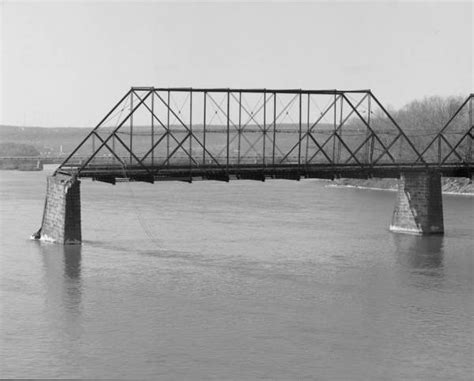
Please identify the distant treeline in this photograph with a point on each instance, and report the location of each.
(421, 121)
(10, 149)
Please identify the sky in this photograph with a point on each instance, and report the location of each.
(67, 63)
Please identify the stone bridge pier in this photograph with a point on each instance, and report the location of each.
(419, 205)
(62, 211)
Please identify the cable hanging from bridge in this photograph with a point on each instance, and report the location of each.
(136, 208)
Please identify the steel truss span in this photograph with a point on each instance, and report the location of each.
(220, 134)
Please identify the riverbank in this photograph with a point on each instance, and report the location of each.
(450, 185)
(21, 164)
(19, 156)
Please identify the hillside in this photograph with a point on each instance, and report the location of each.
(10, 149)
(47, 141)
(51, 141)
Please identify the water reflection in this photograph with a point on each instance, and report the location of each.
(63, 299)
(419, 252)
(72, 261)
(421, 260)
(62, 274)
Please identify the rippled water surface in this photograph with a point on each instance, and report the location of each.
(245, 280)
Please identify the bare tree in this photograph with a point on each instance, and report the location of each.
(429, 115)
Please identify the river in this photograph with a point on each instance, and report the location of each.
(240, 280)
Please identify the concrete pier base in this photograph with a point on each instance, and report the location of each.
(419, 205)
(62, 211)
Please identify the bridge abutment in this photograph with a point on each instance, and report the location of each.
(62, 211)
(419, 205)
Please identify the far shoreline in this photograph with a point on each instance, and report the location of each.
(467, 194)
(451, 186)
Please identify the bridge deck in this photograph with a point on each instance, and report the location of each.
(110, 173)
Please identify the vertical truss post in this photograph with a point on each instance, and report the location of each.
(368, 154)
(228, 129)
(372, 138)
(400, 148)
(307, 131)
(204, 130)
(341, 113)
(299, 129)
(168, 129)
(131, 127)
(469, 135)
(334, 132)
(240, 128)
(264, 131)
(439, 149)
(152, 128)
(190, 129)
(274, 127)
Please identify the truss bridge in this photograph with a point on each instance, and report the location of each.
(188, 134)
